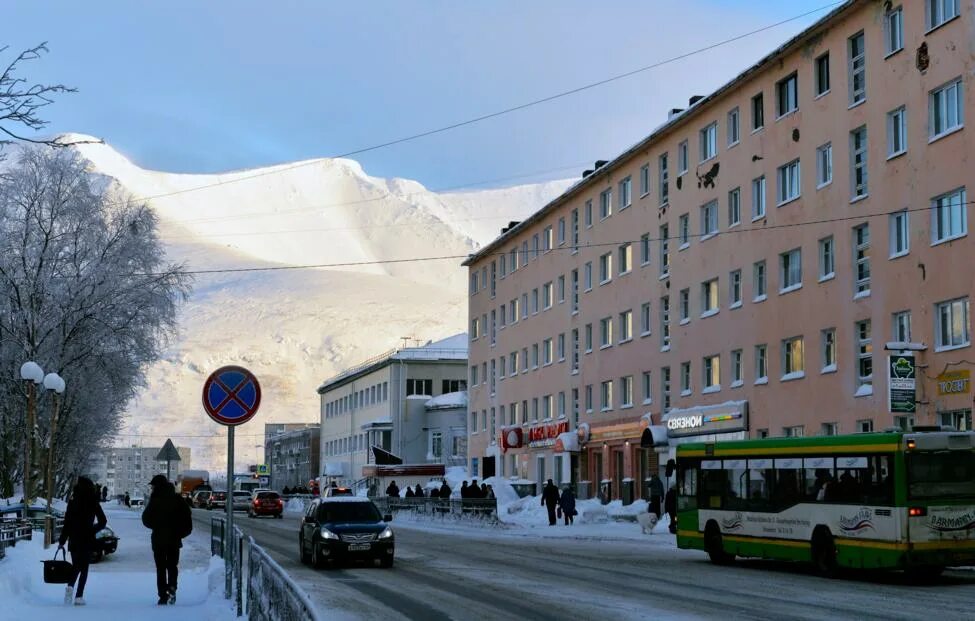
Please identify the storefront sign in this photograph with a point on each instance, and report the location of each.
(616, 432)
(901, 391)
(709, 419)
(545, 435)
(511, 437)
(954, 382)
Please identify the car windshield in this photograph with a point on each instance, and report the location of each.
(934, 474)
(219, 495)
(337, 512)
(268, 496)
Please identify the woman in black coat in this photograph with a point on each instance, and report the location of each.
(79, 532)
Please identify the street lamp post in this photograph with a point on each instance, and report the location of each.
(55, 385)
(33, 375)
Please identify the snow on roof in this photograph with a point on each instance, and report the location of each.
(448, 400)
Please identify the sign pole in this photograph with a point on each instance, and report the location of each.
(228, 539)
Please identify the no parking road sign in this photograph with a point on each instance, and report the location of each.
(231, 395)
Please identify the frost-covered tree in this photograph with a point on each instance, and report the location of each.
(86, 291)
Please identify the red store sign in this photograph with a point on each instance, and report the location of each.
(545, 435)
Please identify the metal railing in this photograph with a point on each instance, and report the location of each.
(267, 594)
(13, 531)
(443, 508)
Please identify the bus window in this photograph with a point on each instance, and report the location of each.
(687, 486)
(788, 486)
(760, 481)
(852, 479)
(878, 484)
(818, 477)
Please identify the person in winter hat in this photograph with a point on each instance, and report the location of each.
(79, 532)
(170, 520)
(550, 498)
(567, 502)
(392, 490)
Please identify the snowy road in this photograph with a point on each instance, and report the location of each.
(480, 574)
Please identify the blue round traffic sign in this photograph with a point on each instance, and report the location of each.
(231, 395)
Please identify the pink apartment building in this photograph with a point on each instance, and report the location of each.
(759, 265)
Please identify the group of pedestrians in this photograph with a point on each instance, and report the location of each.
(166, 515)
(559, 504)
(475, 491)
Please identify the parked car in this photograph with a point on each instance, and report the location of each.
(217, 500)
(266, 503)
(345, 528)
(241, 500)
(199, 498)
(106, 542)
(137, 501)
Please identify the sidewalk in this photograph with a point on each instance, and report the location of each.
(122, 586)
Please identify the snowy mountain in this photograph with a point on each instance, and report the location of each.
(295, 328)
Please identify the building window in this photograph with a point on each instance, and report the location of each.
(588, 335)
(796, 431)
(587, 213)
(758, 112)
(575, 230)
(709, 142)
(792, 358)
(645, 249)
(864, 343)
(901, 324)
(709, 219)
(665, 322)
(547, 296)
(513, 363)
(761, 364)
(685, 305)
(824, 165)
(789, 182)
(513, 259)
(940, 11)
(587, 275)
(899, 234)
(561, 232)
(419, 387)
(589, 397)
(758, 198)
(828, 347)
(857, 68)
(858, 162)
(647, 388)
(605, 331)
(664, 175)
(534, 355)
(561, 288)
(626, 326)
(547, 239)
(759, 286)
(734, 288)
(535, 301)
(524, 305)
(734, 207)
(560, 346)
(709, 297)
(685, 379)
(682, 158)
(894, 30)
(665, 388)
(864, 426)
(787, 95)
(712, 374)
(605, 268)
(626, 391)
(790, 270)
(626, 258)
(546, 407)
(949, 216)
(535, 246)
(960, 420)
(827, 259)
(605, 204)
(575, 349)
(475, 324)
(644, 180)
(575, 291)
(664, 250)
(684, 230)
(896, 132)
(734, 129)
(829, 429)
(606, 396)
(952, 324)
(736, 368)
(645, 319)
(861, 256)
(626, 193)
(822, 74)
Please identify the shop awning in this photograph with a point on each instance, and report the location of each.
(653, 436)
(567, 442)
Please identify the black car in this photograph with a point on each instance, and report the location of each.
(345, 528)
(106, 542)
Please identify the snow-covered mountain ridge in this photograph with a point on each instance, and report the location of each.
(294, 328)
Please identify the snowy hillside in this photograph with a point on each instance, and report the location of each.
(294, 328)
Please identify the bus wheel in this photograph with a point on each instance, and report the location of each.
(714, 545)
(823, 551)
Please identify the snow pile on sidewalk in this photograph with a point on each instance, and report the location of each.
(296, 506)
(123, 586)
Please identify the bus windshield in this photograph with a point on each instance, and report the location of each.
(941, 473)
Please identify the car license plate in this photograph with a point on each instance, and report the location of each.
(359, 547)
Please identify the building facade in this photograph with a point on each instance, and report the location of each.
(129, 469)
(382, 403)
(757, 266)
(292, 453)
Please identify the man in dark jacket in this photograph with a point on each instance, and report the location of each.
(670, 506)
(392, 490)
(82, 520)
(444, 490)
(550, 498)
(170, 520)
(656, 487)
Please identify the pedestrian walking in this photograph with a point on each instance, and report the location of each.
(550, 498)
(409, 492)
(170, 520)
(444, 490)
(392, 490)
(104, 493)
(567, 503)
(464, 490)
(82, 520)
(656, 487)
(670, 506)
(127, 500)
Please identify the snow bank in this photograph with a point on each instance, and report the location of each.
(296, 506)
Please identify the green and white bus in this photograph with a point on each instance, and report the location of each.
(898, 500)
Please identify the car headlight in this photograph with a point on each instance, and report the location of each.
(386, 534)
(327, 534)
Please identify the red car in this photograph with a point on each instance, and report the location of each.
(266, 503)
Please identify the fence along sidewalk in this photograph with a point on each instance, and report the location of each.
(454, 508)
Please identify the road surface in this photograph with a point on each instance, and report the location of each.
(481, 574)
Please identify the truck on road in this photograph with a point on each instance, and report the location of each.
(189, 481)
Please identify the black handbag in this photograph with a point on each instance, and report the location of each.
(58, 572)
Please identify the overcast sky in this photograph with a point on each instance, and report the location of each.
(191, 86)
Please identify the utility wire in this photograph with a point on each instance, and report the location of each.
(242, 176)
